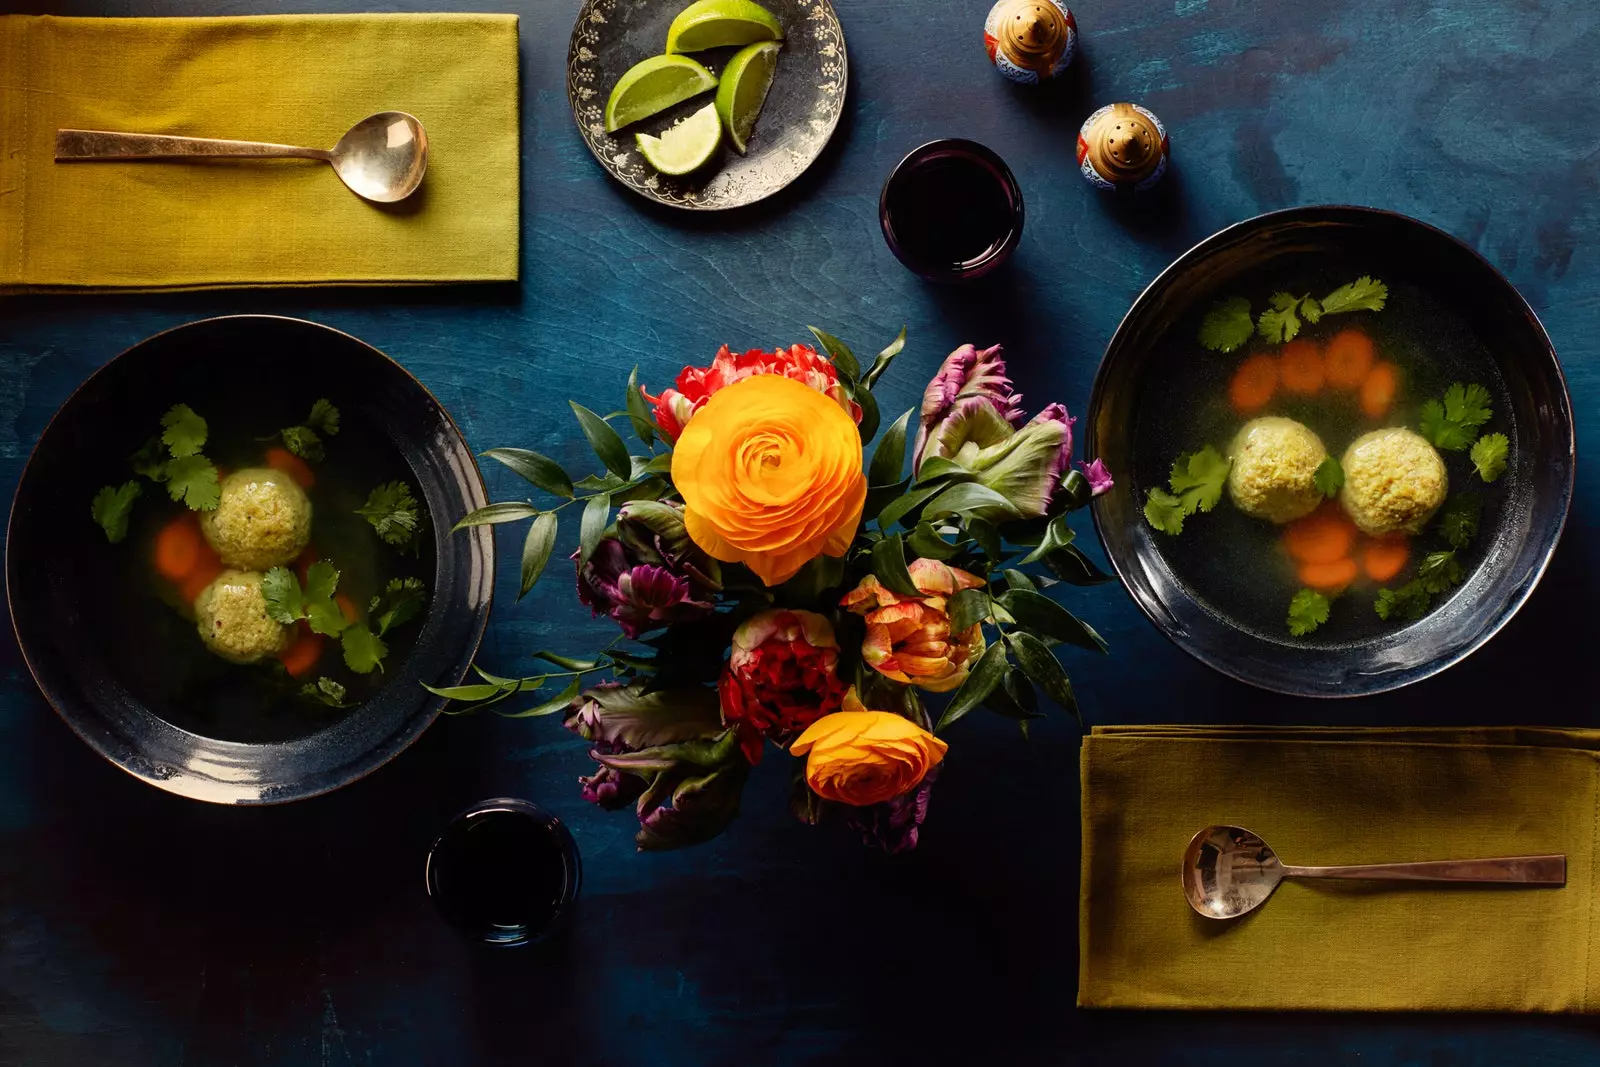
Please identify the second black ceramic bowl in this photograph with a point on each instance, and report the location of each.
(1475, 303)
(104, 676)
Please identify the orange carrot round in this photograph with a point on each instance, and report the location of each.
(1379, 389)
(1328, 577)
(347, 607)
(303, 652)
(281, 459)
(178, 547)
(1385, 557)
(1324, 536)
(1300, 367)
(1253, 384)
(205, 571)
(1348, 359)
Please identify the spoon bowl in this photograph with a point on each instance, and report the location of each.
(383, 157)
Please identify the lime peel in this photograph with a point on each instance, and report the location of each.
(714, 23)
(686, 147)
(653, 85)
(746, 80)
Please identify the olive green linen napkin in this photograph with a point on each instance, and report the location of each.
(295, 79)
(1337, 796)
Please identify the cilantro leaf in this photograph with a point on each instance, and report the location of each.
(1329, 477)
(184, 432)
(322, 611)
(363, 650)
(1307, 611)
(325, 691)
(324, 418)
(303, 442)
(1452, 424)
(151, 460)
(1467, 405)
(1164, 511)
(1439, 571)
(400, 602)
(393, 513)
(1437, 428)
(1198, 479)
(1410, 601)
(110, 508)
(1227, 325)
(1311, 309)
(1364, 294)
(1458, 521)
(1489, 455)
(1279, 323)
(193, 480)
(281, 590)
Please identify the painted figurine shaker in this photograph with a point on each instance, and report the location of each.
(1030, 41)
(1123, 146)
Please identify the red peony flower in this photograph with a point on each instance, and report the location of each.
(695, 385)
(781, 676)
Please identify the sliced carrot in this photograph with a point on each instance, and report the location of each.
(1300, 367)
(1379, 389)
(1328, 577)
(1348, 359)
(1324, 536)
(1253, 384)
(1384, 557)
(204, 573)
(303, 652)
(281, 459)
(178, 547)
(347, 607)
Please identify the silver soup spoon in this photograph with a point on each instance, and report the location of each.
(381, 159)
(1227, 871)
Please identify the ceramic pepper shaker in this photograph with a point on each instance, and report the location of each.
(1123, 146)
(1030, 41)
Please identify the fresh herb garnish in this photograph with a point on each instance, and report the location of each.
(393, 513)
(1227, 325)
(1164, 512)
(193, 480)
(281, 590)
(1489, 455)
(326, 691)
(1197, 480)
(305, 440)
(151, 460)
(1280, 323)
(1458, 521)
(400, 602)
(363, 649)
(111, 506)
(1439, 573)
(1452, 424)
(171, 457)
(1364, 294)
(1307, 611)
(1329, 477)
(183, 432)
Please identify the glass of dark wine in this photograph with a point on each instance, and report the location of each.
(504, 872)
(951, 211)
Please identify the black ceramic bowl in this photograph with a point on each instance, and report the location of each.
(1470, 301)
(105, 677)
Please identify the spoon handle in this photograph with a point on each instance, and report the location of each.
(1523, 870)
(107, 144)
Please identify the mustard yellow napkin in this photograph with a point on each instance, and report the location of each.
(1336, 796)
(295, 79)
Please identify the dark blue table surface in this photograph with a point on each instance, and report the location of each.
(139, 928)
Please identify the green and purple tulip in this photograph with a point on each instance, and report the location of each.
(649, 573)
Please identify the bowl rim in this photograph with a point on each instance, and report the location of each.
(1354, 214)
(432, 707)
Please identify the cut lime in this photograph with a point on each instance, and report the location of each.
(686, 147)
(745, 81)
(655, 85)
(713, 23)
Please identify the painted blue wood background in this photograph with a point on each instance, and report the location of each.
(140, 929)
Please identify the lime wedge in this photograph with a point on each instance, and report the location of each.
(686, 147)
(745, 81)
(713, 23)
(655, 85)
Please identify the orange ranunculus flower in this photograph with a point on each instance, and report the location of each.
(861, 757)
(908, 638)
(770, 475)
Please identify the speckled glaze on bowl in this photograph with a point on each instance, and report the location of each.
(46, 586)
(1539, 483)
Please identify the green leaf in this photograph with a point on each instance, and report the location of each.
(1311, 309)
(1057, 535)
(193, 480)
(936, 467)
(967, 608)
(987, 536)
(1040, 614)
(639, 411)
(281, 590)
(1072, 566)
(1458, 521)
(363, 649)
(1410, 601)
(1329, 477)
(924, 541)
(889, 564)
(1489, 455)
(571, 663)
(401, 601)
(869, 414)
(881, 364)
(1015, 579)
(1308, 609)
(983, 679)
(1452, 424)
(1164, 512)
(303, 442)
(541, 470)
(324, 417)
(466, 692)
(890, 456)
(1227, 325)
(393, 513)
(183, 432)
(151, 460)
(900, 507)
(1042, 668)
(321, 611)
(111, 507)
(1363, 294)
(1198, 479)
(325, 691)
(536, 550)
(549, 707)
(322, 579)
(604, 440)
(968, 496)
(1279, 323)
(594, 483)
(843, 359)
(596, 514)
(506, 511)
(1439, 571)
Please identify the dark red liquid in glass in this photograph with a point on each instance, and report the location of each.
(503, 874)
(951, 210)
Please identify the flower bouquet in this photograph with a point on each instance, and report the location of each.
(771, 588)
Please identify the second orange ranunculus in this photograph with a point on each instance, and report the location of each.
(862, 757)
(770, 475)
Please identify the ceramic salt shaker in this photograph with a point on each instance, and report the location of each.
(1123, 146)
(1030, 41)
